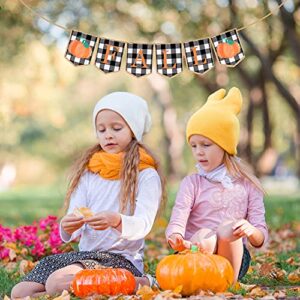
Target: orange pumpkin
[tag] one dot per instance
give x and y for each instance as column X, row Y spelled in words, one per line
column 195, row 271
column 80, row 49
column 103, row 281
column 228, row 48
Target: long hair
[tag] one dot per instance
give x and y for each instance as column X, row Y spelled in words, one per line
column 237, row 168
column 129, row 175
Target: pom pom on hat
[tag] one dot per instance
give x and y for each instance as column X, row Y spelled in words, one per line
column 217, row 119
column 133, row 109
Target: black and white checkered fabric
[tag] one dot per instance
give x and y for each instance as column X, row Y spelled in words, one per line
column 219, row 39
column 169, row 59
column 91, row 40
column 199, row 55
column 139, row 59
column 109, row 55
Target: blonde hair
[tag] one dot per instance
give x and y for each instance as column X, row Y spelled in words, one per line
column 129, row 175
column 237, row 168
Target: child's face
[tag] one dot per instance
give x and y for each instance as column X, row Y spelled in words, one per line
column 113, row 133
column 208, row 154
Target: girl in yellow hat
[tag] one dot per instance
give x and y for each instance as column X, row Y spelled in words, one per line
column 220, row 207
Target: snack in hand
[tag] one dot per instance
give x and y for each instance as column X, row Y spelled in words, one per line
column 82, row 212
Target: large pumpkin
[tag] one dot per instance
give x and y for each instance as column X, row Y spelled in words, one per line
column 195, row 271
column 103, row 282
column 80, row 49
column 228, row 48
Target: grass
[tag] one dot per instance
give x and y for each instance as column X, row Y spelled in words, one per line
column 24, row 205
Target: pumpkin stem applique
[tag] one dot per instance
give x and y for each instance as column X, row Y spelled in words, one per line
column 80, row 48
column 228, row 48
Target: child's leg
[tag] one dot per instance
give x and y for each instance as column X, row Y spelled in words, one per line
column 206, row 238
column 27, row 288
column 61, row 279
column 230, row 246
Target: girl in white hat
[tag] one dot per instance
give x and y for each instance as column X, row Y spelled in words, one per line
column 119, row 183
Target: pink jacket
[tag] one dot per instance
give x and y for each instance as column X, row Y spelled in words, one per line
column 204, row 204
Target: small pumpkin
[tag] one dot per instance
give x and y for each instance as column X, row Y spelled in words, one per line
column 195, row 271
column 80, row 49
column 228, row 48
column 106, row 281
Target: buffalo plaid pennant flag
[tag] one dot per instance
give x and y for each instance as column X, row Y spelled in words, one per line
column 139, row 59
column 199, row 55
column 169, row 59
column 80, row 48
column 109, row 55
column 228, row 48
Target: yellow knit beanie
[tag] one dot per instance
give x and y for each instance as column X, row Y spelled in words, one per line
column 217, row 119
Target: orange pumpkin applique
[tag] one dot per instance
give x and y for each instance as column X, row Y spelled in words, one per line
column 228, row 48
column 80, row 49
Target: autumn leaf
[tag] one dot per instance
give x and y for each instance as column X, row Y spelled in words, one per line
column 257, row 292
column 279, row 294
column 25, row 266
column 146, row 292
column 64, row 296
column 12, row 254
column 294, row 276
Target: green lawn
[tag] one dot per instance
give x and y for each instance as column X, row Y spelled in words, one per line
column 24, row 205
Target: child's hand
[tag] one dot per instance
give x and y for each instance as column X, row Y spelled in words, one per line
column 71, row 223
column 177, row 242
column 103, row 220
column 243, row 228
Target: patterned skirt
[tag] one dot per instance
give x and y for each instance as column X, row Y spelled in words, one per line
column 245, row 263
column 88, row 259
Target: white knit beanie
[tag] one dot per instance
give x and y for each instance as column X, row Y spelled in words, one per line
column 133, row 109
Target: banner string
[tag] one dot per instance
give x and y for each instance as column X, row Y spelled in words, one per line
column 272, row 12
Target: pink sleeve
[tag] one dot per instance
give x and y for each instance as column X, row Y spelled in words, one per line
column 256, row 211
column 182, row 208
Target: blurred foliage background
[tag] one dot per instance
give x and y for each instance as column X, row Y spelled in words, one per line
column 46, row 103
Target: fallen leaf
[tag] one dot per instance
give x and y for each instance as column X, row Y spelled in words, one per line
column 294, row 276
column 258, row 292
column 11, row 266
column 265, row 269
column 247, row 287
column 146, row 292
column 25, row 266
column 279, row 294
column 278, row 274
column 178, row 289
column 64, row 296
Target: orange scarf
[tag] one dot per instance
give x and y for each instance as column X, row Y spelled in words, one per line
column 108, row 165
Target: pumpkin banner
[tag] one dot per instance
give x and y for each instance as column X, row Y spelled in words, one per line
column 199, row 56
column 80, row 48
column 109, row 55
column 169, row 59
column 228, row 48
column 139, row 59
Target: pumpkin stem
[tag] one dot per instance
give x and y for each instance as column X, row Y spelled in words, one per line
column 194, row 249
